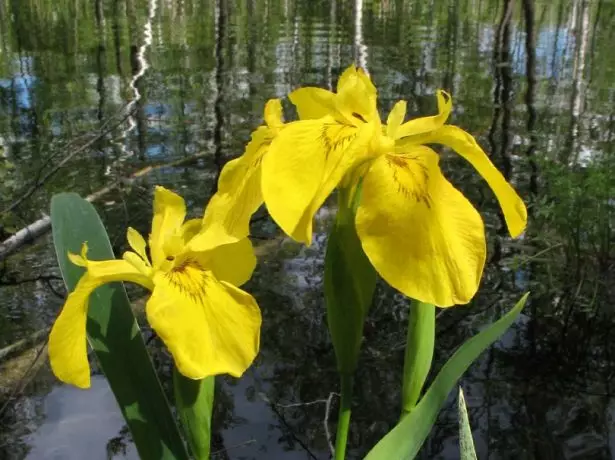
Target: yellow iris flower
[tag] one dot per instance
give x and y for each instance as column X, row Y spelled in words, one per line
column 209, row 325
column 419, row 232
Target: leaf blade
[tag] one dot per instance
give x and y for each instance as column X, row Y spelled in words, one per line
column 194, row 400
column 404, row 441
column 466, row 442
column 114, row 335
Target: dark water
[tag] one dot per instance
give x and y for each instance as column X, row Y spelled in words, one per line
column 532, row 80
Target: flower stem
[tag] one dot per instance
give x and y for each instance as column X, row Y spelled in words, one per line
column 419, row 352
column 343, row 423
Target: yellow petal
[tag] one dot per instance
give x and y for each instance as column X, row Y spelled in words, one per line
column 108, row 271
column 313, row 103
column 169, row 214
column 273, row 114
column 427, row 124
column 77, row 259
column 190, row 228
column 228, row 213
column 209, row 326
column 233, row 263
column 420, row 233
column 136, row 261
column 396, row 118
column 136, row 242
column 347, row 80
column 304, row 164
column 67, row 340
column 513, row 208
column 356, row 97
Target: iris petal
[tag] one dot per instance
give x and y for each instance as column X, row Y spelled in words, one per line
column 67, row 340
column 396, row 118
column 209, row 326
column 313, row 103
column 420, row 233
column 513, row 208
column 228, row 213
column 169, row 214
column 427, row 124
column 233, row 263
column 136, row 242
column 305, row 163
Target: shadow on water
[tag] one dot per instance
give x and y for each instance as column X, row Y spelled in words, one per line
column 532, row 80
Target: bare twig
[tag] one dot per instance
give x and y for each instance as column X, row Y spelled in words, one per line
column 41, row 180
column 41, row 226
column 24, row 380
column 234, row 446
column 327, row 402
column 326, row 423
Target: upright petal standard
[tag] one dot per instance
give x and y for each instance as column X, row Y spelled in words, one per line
column 209, row 325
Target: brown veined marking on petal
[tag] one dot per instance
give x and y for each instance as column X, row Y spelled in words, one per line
column 359, row 116
column 333, row 142
column 421, row 192
column 188, row 279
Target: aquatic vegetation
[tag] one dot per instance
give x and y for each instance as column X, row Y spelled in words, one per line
column 209, row 325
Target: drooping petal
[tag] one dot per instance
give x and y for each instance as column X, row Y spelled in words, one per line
column 228, row 213
column 233, row 262
column 420, row 233
column 427, row 124
column 209, row 326
column 513, row 208
column 67, row 340
column 313, row 103
column 304, row 163
column 169, row 214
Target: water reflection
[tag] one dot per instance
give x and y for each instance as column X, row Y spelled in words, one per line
column 532, row 80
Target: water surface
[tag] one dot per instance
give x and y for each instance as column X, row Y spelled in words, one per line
column 534, row 85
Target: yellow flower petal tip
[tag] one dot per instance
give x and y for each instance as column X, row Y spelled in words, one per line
column 208, row 323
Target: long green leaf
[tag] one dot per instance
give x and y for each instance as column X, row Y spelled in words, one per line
column 114, row 334
column 349, row 283
column 405, row 440
column 350, row 280
column 194, row 400
column 466, row 443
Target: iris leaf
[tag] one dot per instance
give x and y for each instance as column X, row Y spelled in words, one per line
column 466, row 443
column 405, row 440
column 194, row 402
column 114, row 335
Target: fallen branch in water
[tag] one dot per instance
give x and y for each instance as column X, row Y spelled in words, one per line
column 18, row 347
column 36, row 229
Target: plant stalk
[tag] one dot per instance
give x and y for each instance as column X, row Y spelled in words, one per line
column 419, row 352
column 343, row 423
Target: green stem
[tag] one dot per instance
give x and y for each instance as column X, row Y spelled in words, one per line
column 343, row 423
column 419, row 352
